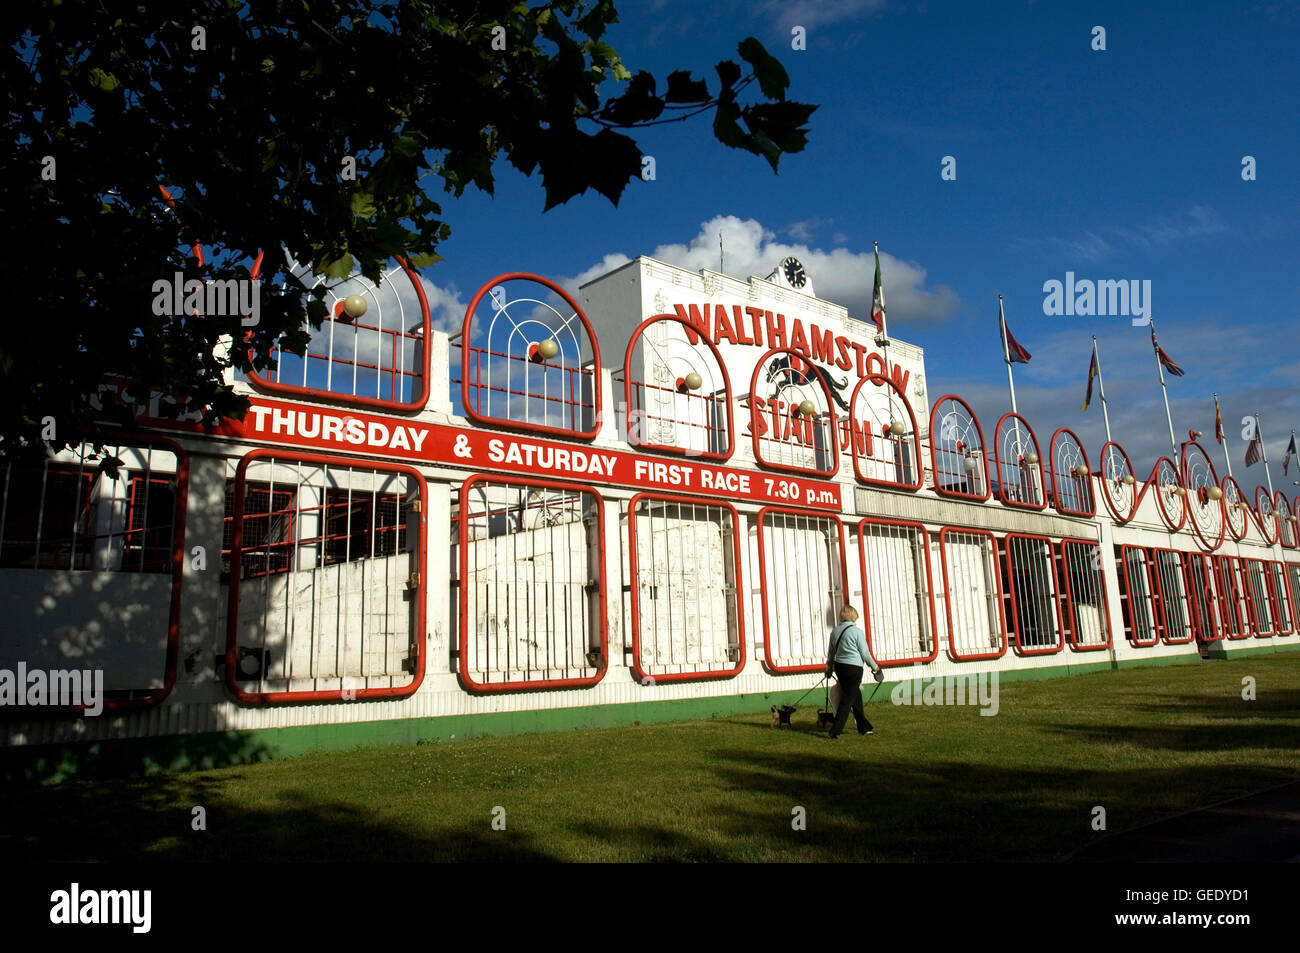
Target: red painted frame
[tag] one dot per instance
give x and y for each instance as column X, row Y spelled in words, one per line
column 113, row 700
column 1137, row 495
column 462, row 535
column 1230, row 585
column 1281, row 597
column 997, row 465
column 1162, row 600
column 523, row 426
column 236, row 546
column 754, row 416
column 929, row 585
column 1148, row 564
column 1053, row 575
column 641, row 674
column 947, row 594
column 1067, row 604
column 354, row 400
column 916, row 438
column 762, row 582
column 726, row 383
column 1268, row 595
column 934, row 454
column 1056, row 494
column 1208, row 593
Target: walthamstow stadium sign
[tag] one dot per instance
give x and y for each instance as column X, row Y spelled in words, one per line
column 349, row 431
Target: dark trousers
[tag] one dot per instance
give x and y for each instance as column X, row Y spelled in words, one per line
column 850, row 679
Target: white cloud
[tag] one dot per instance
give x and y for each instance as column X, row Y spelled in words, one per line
column 811, row 13
column 838, row 275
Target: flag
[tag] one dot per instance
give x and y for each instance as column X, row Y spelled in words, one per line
column 1254, row 453
column 1290, row 452
column 878, row 299
column 1012, row 351
column 1092, row 372
column 1218, row 422
column 1165, row 360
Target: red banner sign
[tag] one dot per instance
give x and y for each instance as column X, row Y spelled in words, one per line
column 349, row 431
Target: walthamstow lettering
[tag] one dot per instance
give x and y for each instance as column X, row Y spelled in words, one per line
column 814, row 344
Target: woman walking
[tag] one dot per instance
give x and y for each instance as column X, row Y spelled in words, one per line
column 845, row 660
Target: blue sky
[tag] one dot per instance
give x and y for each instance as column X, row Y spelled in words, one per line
column 1117, row 164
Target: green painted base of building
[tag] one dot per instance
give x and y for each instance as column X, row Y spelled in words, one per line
column 143, row 756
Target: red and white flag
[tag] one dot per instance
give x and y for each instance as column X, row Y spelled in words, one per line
column 1255, row 452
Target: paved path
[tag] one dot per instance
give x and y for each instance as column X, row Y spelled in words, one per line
column 1259, row 828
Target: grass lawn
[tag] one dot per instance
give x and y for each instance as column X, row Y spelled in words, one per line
column 933, row 784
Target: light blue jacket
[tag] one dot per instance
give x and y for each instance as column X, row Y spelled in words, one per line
column 849, row 646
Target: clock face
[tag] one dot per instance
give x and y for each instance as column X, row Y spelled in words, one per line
column 794, row 273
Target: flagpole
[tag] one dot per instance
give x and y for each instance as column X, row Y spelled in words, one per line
column 1006, row 355
column 1160, row 369
column 1218, row 414
column 1264, row 453
column 1101, row 386
column 884, row 321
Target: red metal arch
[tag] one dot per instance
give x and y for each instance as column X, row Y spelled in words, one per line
column 934, row 452
column 356, row 400
column 916, row 436
column 1286, row 527
column 465, row 362
column 1084, row 482
column 632, row 436
column 1154, row 480
column 1003, row 497
column 1106, row 481
column 1200, row 496
column 1268, row 525
column 1242, row 513
column 757, row 425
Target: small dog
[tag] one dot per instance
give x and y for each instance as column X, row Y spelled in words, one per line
column 825, row 718
column 781, row 716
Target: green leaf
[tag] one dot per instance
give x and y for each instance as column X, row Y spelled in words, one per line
column 339, row 268
column 729, row 73
column 683, row 89
column 102, row 80
column 772, row 77
column 363, row 205
column 424, row 260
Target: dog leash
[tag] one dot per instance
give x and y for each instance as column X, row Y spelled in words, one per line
column 807, row 693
